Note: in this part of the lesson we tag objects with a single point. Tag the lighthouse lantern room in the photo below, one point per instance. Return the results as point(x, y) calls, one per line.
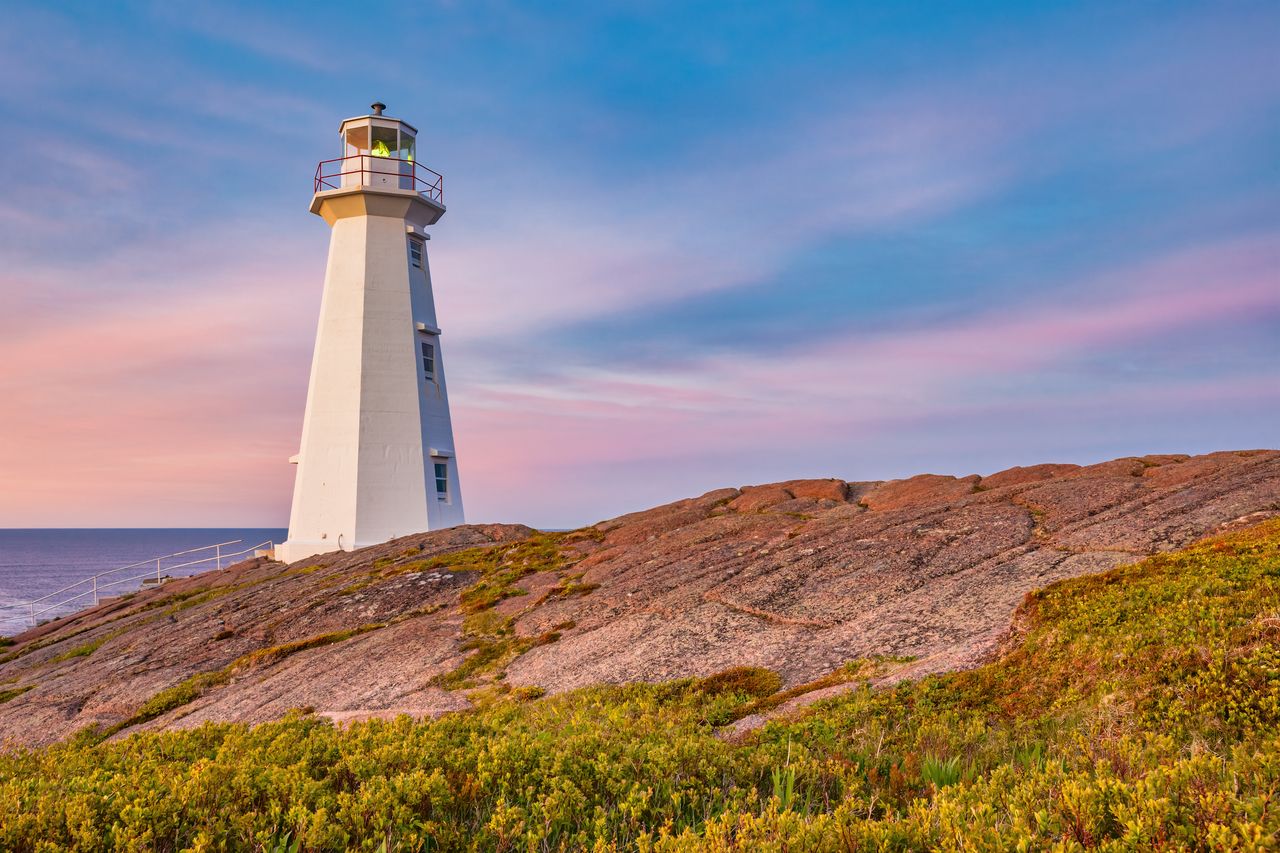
point(376, 459)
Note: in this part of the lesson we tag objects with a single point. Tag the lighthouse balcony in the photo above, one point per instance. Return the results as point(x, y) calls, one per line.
point(379, 172)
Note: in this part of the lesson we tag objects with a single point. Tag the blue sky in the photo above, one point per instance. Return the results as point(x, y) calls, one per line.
point(688, 245)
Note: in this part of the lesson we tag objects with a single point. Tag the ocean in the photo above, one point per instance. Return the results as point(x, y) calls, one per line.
point(35, 563)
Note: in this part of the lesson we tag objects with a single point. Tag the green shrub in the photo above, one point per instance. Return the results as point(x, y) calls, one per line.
point(752, 681)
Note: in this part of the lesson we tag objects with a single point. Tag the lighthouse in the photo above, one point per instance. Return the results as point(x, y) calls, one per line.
point(377, 459)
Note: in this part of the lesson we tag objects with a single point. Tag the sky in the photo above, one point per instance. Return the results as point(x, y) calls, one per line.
point(687, 245)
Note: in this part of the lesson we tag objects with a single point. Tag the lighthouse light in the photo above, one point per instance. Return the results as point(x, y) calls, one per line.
point(385, 141)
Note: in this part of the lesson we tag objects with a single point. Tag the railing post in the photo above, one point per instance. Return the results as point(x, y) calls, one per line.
point(32, 607)
point(95, 590)
point(158, 569)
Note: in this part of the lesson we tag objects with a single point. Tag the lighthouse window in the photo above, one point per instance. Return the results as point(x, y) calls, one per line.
point(442, 480)
point(415, 253)
point(385, 142)
point(406, 146)
point(357, 141)
point(429, 360)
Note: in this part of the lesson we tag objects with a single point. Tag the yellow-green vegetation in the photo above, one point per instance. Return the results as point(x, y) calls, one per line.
point(77, 651)
point(491, 637)
point(14, 692)
point(571, 585)
point(85, 649)
point(81, 651)
point(852, 671)
point(493, 643)
point(174, 601)
point(501, 566)
point(1135, 710)
point(187, 691)
point(189, 600)
point(489, 655)
point(275, 654)
point(34, 645)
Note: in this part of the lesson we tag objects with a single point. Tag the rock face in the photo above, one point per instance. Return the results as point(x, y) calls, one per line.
point(798, 576)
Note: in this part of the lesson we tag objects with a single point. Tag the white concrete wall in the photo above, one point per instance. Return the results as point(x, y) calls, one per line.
point(437, 427)
point(365, 472)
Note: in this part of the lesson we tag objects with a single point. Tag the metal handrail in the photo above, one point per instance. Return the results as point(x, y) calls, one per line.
point(422, 180)
point(145, 562)
point(98, 585)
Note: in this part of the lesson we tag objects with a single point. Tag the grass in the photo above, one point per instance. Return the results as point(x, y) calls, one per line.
point(85, 649)
point(1134, 710)
point(493, 643)
point(940, 772)
point(81, 651)
point(488, 636)
point(34, 645)
point(501, 566)
point(488, 656)
point(749, 680)
point(192, 688)
point(572, 585)
point(857, 670)
point(14, 692)
point(173, 603)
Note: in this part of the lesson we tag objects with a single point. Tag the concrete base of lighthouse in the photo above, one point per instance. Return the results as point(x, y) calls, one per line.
point(292, 552)
point(377, 458)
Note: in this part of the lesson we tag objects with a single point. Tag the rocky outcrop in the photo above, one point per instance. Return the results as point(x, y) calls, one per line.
point(799, 577)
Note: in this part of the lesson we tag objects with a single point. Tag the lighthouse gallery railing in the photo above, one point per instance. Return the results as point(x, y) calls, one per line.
point(368, 170)
point(95, 585)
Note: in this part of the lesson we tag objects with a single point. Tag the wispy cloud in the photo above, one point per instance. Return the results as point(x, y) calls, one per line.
point(579, 252)
point(284, 39)
point(864, 389)
point(678, 254)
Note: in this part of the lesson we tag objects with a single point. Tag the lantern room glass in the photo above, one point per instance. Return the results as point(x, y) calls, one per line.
point(378, 154)
point(357, 141)
point(378, 141)
point(385, 142)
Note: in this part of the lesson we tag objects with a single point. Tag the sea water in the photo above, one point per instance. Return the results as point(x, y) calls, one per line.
point(34, 563)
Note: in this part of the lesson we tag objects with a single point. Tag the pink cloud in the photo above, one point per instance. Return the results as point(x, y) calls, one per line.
point(837, 392)
point(152, 406)
point(1188, 289)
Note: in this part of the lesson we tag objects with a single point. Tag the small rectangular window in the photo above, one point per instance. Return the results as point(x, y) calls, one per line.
point(429, 360)
point(442, 480)
point(415, 253)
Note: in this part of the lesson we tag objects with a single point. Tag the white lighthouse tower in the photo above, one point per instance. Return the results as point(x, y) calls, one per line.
point(377, 458)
